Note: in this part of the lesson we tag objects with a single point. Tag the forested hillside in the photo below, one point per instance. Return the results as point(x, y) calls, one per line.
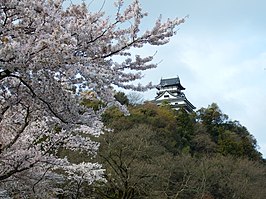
point(157, 152)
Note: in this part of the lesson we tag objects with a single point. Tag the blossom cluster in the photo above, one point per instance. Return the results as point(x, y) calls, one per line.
point(48, 55)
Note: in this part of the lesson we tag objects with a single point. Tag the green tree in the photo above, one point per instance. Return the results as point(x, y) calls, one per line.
point(121, 98)
point(158, 152)
point(134, 164)
point(230, 137)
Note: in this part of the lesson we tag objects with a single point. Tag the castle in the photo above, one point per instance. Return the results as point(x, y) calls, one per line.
point(170, 90)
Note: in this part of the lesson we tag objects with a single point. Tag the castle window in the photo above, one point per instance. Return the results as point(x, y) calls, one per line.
point(166, 96)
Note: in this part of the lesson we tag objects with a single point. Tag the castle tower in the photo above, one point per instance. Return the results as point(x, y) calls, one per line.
point(170, 90)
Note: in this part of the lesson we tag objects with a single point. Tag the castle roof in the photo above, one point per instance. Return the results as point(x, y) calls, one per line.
point(171, 82)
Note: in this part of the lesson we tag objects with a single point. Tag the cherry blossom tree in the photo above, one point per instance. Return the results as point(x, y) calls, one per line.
point(48, 55)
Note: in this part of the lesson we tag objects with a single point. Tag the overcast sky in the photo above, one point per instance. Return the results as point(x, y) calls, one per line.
point(219, 53)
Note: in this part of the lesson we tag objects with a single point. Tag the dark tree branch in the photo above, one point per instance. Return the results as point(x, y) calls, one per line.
point(16, 170)
point(20, 131)
point(9, 74)
point(4, 110)
point(33, 187)
point(4, 73)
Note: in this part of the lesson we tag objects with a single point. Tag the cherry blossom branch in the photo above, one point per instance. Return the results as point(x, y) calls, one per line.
point(41, 178)
point(39, 76)
point(8, 74)
point(20, 131)
point(16, 170)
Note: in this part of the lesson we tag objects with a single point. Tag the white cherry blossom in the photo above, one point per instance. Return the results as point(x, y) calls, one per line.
point(48, 55)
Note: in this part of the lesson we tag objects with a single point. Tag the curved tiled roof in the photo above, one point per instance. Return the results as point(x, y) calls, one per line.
point(171, 82)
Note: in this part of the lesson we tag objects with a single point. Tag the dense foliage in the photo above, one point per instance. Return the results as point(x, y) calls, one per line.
point(207, 131)
point(157, 152)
